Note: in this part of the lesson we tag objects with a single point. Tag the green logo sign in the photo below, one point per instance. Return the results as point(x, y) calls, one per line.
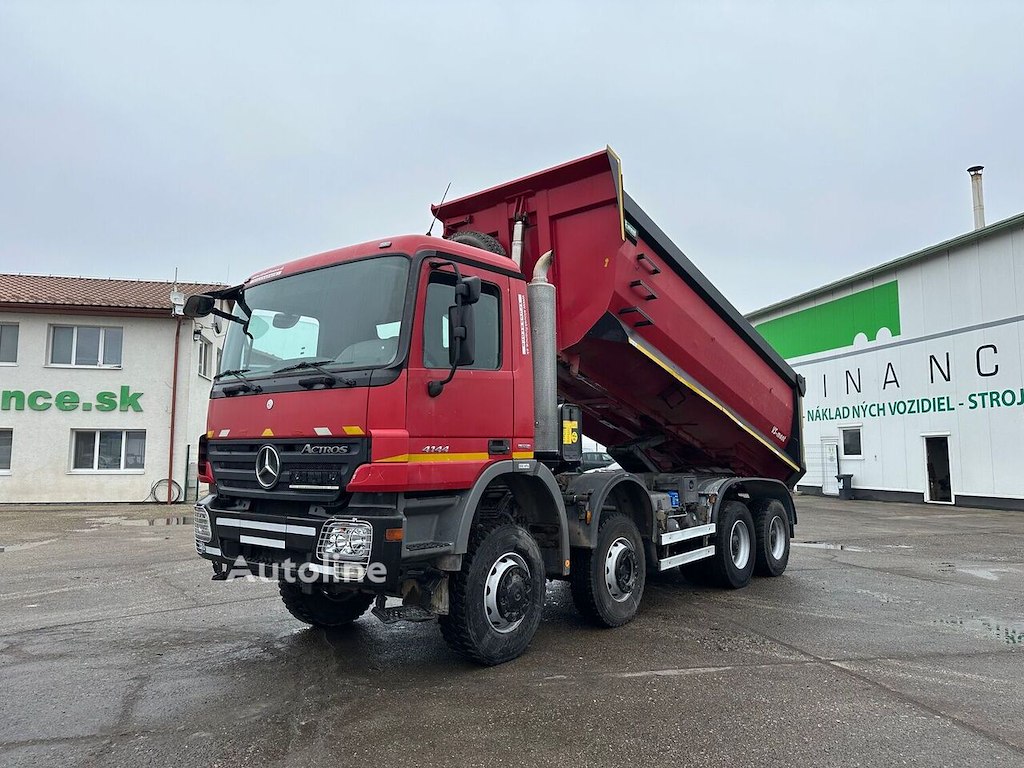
point(835, 324)
point(42, 400)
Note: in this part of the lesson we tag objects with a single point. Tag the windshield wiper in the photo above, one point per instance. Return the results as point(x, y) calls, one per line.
point(318, 364)
point(245, 386)
point(328, 379)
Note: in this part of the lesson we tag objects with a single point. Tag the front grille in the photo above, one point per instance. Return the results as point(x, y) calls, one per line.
point(304, 474)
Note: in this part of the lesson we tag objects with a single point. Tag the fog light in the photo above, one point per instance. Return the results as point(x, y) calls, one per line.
point(344, 540)
point(201, 524)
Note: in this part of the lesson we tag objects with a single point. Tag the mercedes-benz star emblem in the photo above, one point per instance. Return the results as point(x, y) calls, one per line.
point(268, 466)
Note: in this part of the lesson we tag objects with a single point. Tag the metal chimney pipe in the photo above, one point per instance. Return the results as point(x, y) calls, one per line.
point(979, 200)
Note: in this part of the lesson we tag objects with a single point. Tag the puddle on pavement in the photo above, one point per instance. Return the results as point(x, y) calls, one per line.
point(828, 545)
point(154, 522)
point(1010, 632)
point(26, 545)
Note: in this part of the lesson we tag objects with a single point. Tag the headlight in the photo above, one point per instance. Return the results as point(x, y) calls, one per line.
point(344, 540)
point(201, 524)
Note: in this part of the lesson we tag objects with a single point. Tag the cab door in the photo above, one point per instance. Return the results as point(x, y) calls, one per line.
point(470, 424)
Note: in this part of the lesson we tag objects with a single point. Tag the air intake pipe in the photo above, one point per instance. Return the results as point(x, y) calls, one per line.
point(541, 295)
point(517, 240)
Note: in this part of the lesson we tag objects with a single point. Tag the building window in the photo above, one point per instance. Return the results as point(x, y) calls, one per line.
point(8, 342)
point(851, 442)
point(86, 345)
point(205, 357)
point(6, 440)
point(108, 450)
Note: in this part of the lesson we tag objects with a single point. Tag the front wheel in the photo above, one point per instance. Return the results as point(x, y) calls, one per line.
point(608, 581)
point(495, 601)
point(323, 609)
point(734, 558)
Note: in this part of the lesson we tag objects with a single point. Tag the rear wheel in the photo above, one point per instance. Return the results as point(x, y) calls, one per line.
point(733, 561)
point(771, 527)
point(495, 601)
point(608, 581)
point(323, 609)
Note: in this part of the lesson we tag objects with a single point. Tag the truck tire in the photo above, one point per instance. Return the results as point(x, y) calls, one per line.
point(322, 609)
point(478, 240)
point(771, 527)
point(608, 581)
point(495, 601)
point(733, 563)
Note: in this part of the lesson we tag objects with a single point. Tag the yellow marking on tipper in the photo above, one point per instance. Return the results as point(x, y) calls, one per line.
point(720, 406)
point(268, 432)
point(619, 193)
point(522, 454)
point(353, 430)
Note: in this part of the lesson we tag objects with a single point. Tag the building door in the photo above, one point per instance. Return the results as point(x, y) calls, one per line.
point(829, 466)
point(936, 451)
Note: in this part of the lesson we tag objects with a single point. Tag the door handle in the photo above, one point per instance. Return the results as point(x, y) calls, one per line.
point(498, 446)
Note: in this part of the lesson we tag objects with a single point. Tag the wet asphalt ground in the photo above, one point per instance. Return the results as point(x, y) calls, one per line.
point(896, 637)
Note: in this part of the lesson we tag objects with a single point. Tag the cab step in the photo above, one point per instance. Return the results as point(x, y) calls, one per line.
point(401, 613)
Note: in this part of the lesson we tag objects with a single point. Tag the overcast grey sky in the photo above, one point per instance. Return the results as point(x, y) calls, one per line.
point(781, 145)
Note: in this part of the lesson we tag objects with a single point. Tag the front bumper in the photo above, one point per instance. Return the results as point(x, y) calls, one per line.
point(272, 545)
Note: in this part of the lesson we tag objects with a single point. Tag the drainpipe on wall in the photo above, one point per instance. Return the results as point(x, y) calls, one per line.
point(174, 408)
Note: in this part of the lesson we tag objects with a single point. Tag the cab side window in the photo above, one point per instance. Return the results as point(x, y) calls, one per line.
point(440, 296)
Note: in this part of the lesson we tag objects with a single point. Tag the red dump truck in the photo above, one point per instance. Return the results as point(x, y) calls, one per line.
point(403, 419)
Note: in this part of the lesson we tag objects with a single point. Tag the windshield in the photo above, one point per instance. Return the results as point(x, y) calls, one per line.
point(348, 315)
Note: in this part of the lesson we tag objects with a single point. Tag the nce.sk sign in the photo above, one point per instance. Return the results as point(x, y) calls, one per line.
point(66, 400)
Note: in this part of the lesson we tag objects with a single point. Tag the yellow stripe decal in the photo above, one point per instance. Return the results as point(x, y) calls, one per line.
point(522, 455)
point(441, 458)
point(720, 406)
point(209, 434)
point(267, 432)
point(353, 430)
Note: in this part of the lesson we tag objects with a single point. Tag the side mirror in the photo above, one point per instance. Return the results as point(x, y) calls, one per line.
point(461, 326)
point(199, 305)
point(469, 289)
point(461, 336)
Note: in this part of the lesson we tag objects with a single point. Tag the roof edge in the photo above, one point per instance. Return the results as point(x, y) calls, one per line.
point(977, 234)
point(36, 308)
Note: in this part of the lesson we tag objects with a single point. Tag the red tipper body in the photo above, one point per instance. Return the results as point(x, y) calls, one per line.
point(653, 353)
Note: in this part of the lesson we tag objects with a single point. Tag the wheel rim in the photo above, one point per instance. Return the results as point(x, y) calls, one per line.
point(739, 544)
point(508, 593)
point(620, 569)
point(777, 538)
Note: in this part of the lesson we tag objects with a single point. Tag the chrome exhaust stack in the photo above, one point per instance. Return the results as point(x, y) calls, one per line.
point(541, 296)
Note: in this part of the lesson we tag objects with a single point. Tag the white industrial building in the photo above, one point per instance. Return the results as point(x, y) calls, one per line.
point(91, 371)
point(914, 375)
